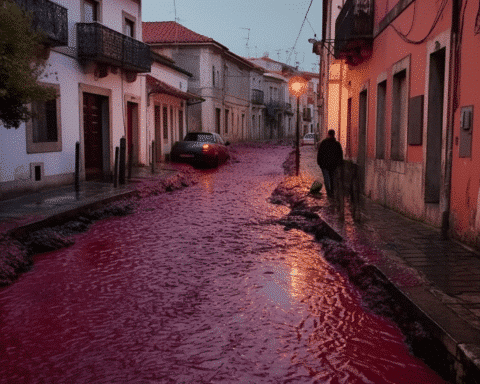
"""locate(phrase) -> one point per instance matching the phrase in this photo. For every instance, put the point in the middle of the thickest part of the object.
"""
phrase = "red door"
(132, 132)
(92, 130)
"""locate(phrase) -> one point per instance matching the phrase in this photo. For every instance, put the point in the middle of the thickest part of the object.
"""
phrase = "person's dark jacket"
(330, 154)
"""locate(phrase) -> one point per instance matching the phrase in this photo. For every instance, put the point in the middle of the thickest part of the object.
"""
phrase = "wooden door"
(93, 138)
(132, 132)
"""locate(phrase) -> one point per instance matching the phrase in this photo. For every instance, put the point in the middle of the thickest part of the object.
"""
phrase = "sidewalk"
(447, 289)
(47, 207)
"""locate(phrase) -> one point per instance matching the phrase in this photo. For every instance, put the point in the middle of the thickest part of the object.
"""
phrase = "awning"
(157, 86)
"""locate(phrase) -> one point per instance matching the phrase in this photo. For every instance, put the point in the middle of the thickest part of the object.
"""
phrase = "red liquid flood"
(198, 286)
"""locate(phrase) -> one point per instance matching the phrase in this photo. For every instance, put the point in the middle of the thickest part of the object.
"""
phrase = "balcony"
(104, 45)
(48, 18)
(354, 31)
(257, 96)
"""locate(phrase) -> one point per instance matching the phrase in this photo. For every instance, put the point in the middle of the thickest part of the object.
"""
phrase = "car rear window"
(203, 137)
(309, 136)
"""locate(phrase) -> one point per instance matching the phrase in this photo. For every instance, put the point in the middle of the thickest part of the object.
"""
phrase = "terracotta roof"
(171, 32)
(157, 86)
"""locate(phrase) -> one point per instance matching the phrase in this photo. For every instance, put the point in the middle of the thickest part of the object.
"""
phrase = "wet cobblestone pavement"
(200, 285)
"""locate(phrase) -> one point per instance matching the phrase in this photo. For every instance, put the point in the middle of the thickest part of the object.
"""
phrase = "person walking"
(329, 158)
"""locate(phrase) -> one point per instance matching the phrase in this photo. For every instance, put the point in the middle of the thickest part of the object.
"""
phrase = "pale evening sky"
(274, 25)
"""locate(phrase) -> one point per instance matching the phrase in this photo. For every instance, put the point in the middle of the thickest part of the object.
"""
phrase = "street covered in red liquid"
(199, 285)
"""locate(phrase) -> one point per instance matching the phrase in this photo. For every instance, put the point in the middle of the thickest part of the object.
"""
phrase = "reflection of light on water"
(295, 291)
(304, 267)
(206, 182)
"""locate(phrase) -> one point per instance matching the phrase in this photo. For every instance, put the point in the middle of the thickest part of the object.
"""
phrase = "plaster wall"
(64, 70)
(465, 195)
(399, 185)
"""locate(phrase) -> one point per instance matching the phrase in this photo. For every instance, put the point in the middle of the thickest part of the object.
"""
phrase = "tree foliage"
(21, 65)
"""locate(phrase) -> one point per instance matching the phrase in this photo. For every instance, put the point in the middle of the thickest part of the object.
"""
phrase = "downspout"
(451, 109)
(340, 88)
(327, 16)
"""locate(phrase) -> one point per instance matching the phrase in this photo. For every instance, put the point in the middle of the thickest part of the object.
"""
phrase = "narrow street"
(200, 285)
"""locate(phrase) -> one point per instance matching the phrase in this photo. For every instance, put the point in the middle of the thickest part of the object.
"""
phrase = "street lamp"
(297, 86)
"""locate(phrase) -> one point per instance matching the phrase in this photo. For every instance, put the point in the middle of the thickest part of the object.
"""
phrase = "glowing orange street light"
(297, 86)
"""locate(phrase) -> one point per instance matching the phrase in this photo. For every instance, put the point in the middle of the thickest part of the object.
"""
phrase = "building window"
(243, 125)
(165, 123)
(399, 115)
(172, 124)
(213, 76)
(43, 130)
(129, 28)
(157, 118)
(226, 121)
(218, 113)
(381, 118)
(129, 23)
(91, 11)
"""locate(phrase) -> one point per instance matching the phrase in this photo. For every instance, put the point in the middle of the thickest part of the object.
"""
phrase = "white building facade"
(281, 107)
(219, 77)
(93, 65)
(168, 103)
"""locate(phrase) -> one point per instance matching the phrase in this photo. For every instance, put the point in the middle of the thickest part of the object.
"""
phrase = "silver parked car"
(201, 148)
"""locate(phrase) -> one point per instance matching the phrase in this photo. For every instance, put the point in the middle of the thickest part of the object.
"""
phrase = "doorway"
(362, 137)
(95, 135)
(158, 155)
(132, 132)
(436, 87)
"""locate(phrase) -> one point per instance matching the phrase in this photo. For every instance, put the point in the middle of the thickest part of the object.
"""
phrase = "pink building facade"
(410, 87)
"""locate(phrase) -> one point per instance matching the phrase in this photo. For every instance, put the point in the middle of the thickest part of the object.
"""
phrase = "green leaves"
(22, 61)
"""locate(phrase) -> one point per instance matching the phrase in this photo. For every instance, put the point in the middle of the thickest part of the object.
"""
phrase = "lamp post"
(297, 86)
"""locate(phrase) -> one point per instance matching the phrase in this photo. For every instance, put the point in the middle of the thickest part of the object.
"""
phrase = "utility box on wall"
(466, 131)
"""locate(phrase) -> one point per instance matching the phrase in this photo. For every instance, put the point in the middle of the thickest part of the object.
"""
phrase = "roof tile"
(171, 32)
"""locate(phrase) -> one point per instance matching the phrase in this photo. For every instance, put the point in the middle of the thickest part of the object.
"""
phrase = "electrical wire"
(413, 19)
(305, 18)
(308, 21)
(435, 22)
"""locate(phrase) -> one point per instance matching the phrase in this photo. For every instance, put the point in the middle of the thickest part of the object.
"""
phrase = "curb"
(452, 346)
(67, 215)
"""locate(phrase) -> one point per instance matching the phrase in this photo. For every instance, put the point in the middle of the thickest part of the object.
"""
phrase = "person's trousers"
(329, 180)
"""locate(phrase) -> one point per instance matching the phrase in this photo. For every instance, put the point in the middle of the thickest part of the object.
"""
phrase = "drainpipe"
(452, 106)
(340, 102)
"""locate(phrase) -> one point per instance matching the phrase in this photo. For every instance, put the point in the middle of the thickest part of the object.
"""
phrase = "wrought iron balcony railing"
(354, 30)
(48, 18)
(104, 45)
(257, 96)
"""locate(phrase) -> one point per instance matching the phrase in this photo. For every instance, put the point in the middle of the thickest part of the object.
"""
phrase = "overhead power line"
(308, 21)
(304, 19)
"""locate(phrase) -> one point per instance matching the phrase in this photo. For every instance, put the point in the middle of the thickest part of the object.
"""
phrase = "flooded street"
(199, 285)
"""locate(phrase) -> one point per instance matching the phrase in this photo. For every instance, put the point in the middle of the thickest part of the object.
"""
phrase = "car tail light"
(205, 147)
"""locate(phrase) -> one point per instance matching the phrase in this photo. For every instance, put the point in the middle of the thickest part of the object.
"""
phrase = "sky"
(249, 28)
